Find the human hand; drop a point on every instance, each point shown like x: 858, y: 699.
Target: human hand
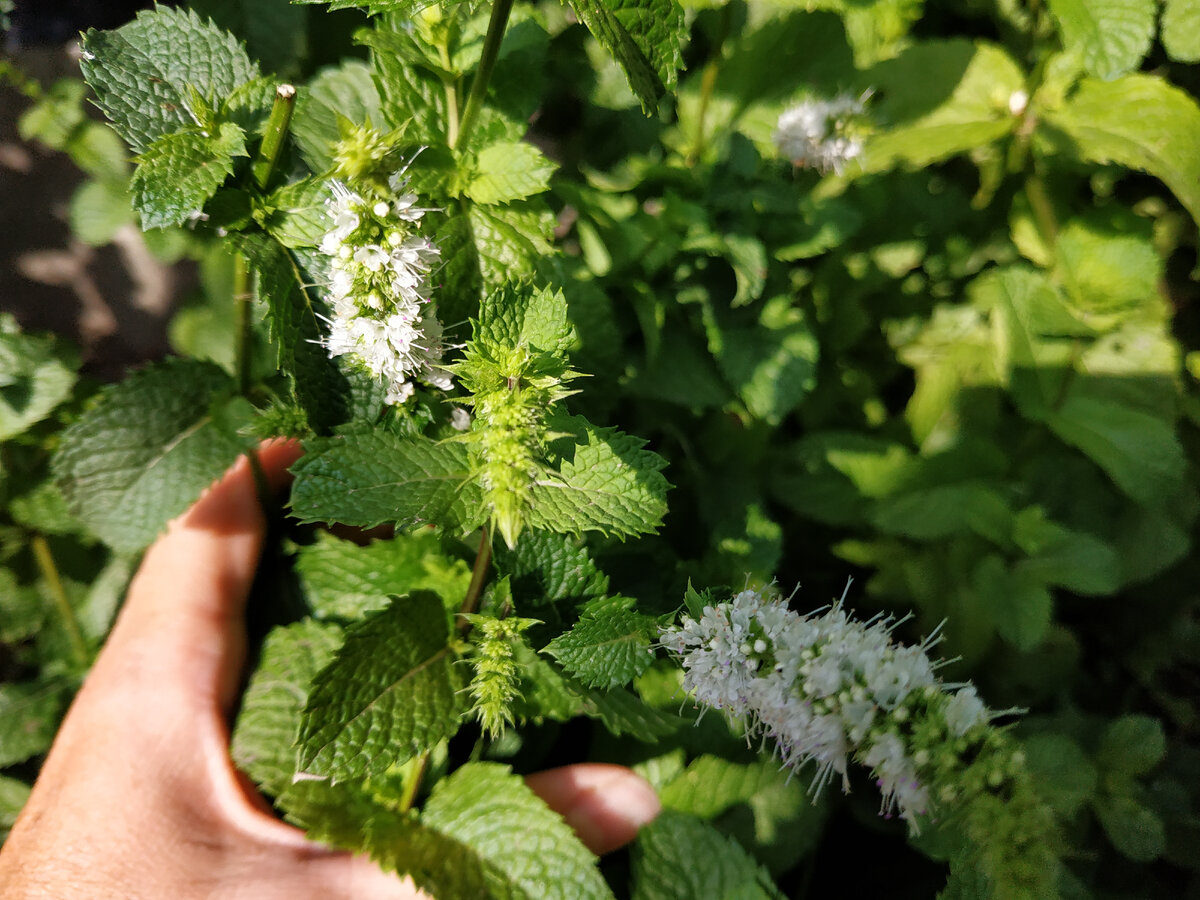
x: 138, y: 797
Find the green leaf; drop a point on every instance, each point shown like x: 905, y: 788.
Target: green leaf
x: 679, y: 857
x: 145, y: 451
x: 1020, y: 606
x: 773, y: 365
x: 488, y: 246
x: 624, y: 713
x: 607, y: 482
x: 13, y: 795
x: 1141, y: 122
x: 509, y: 171
x: 35, y: 377
x: 373, y: 478
x: 98, y: 210
x: 1137, y: 832
x: 645, y: 37
x: 268, y: 725
x: 30, y: 713
x: 347, y: 93
x: 179, y: 172
x: 275, y: 30
x: 22, y: 609
x: 710, y: 785
x: 1060, y: 556
x: 141, y: 72
x: 1112, y: 36
x: 605, y: 649
x: 943, y: 98
x: 517, y: 316
x: 375, y: 7
x: 295, y: 319
x: 1132, y: 745
x: 550, y: 568
x: 343, y: 579
x: 1180, y: 27
x: 296, y: 214
x: 392, y: 691
x: 1063, y: 775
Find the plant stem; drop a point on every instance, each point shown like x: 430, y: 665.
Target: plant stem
x: 414, y: 782
x: 277, y: 129
x: 487, y: 61
x: 45, y: 562
x: 1043, y: 209
x: 450, y: 86
x: 242, y: 297
x: 708, y: 82
x: 478, y: 575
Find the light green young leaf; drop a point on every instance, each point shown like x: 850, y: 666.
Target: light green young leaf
x: 606, y: 649
x: 1141, y: 122
x: 679, y: 857
x: 34, y: 377
x: 1112, y: 36
x: 1180, y: 27
x: 1108, y: 274
x: 268, y: 725
x: 13, y: 794
x: 392, y: 691
x: 141, y: 71
x: 347, y: 92
x: 180, y: 171
x: 98, y: 209
x: 607, y: 482
x: 645, y: 37
x: 143, y: 454
x: 509, y: 171
x: 373, y: 478
x: 30, y: 713
x: 343, y: 579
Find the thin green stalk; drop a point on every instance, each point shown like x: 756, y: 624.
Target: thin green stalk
x: 483, y: 558
x: 276, y: 134
x: 487, y: 61
x: 450, y: 86
x: 243, y: 333
x: 414, y: 782
x: 708, y: 83
x: 45, y: 562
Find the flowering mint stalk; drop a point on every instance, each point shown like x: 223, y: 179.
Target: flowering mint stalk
x: 379, y: 268
x: 830, y: 690
x: 822, y: 134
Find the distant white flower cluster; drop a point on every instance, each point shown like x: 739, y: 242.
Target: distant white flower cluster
x: 827, y: 689
x: 814, y: 133
x: 379, y: 287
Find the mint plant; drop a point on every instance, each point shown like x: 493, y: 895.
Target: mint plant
x: 601, y: 324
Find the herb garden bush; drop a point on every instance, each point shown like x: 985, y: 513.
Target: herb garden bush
x: 605, y: 325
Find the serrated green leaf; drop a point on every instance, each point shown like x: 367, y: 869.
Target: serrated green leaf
x: 295, y: 319
x: 509, y: 171
x: 550, y: 568
x: 1132, y: 745
x: 35, y: 377
x: 605, y: 650
x: 274, y: 29
x: 1107, y: 274
x: 710, y: 785
x: 926, y: 125
x: 645, y: 37
x: 297, y: 215
x: 143, y: 454
x: 516, y: 315
x: 13, y: 795
x: 1112, y: 36
x: 1180, y: 27
x: 347, y: 92
x: 268, y: 724
x: 392, y: 691
x: 373, y: 478
x: 140, y: 72
x: 1141, y: 122
x: 179, y: 172
x: 624, y: 713
x: 343, y: 579
x: 98, y: 209
x: 772, y: 365
x: 30, y: 713
x: 606, y: 482
x: 679, y: 857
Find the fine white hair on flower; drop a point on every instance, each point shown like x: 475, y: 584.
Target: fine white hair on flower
x: 815, y: 133
x: 379, y: 287
x: 826, y: 689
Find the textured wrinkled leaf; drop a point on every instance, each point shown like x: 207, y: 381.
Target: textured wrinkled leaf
x: 710, y: 785
x: 516, y: 316
x: 607, y: 649
x: 1139, y: 121
x: 141, y: 71
x: 1181, y: 30
x: 645, y: 37
x: 549, y: 568
x: 1105, y: 273
x: 625, y: 713
x: 509, y: 171
x: 1112, y: 36
x: 392, y: 691
x: 34, y: 377
x: 607, y: 483
x: 268, y: 725
x: 179, y: 172
x: 343, y: 579
x: 374, y: 478
x: 298, y: 214
x: 348, y: 92
x: 295, y: 319
x: 679, y: 857
x: 30, y: 713
x: 145, y: 451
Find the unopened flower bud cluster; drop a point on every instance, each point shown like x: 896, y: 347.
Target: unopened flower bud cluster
x: 379, y: 287
x: 830, y: 690
x: 819, y: 134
